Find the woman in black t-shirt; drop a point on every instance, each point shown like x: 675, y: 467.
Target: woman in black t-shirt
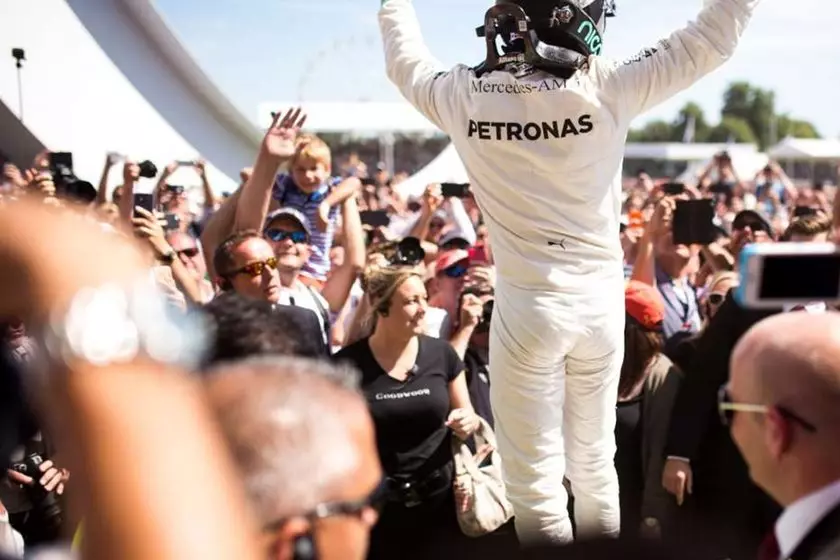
x: 418, y: 397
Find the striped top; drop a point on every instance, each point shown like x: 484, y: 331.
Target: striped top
x: 289, y: 195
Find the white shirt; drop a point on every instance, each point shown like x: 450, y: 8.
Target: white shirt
x: 544, y: 155
x: 11, y: 543
x: 801, y: 517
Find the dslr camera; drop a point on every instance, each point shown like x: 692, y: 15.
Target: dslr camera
x: 66, y: 183
x: 42, y: 500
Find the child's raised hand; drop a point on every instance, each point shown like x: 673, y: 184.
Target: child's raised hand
x: 280, y: 139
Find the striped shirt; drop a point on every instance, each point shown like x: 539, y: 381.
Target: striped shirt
x: 289, y: 195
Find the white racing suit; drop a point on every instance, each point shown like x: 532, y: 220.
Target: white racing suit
x: 544, y: 157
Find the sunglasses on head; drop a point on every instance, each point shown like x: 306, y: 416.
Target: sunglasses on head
x: 457, y: 270
x: 255, y: 269
x: 727, y: 409
x: 278, y: 235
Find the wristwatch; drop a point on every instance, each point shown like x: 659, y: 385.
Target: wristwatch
x: 116, y: 324
x: 167, y: 258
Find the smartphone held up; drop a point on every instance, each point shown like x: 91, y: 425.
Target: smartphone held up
x: 785, y: 275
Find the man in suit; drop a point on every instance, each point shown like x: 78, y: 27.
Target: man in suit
x: 782, y: 404
x: 702, y: 459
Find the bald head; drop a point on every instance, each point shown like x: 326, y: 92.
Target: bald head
x: 793, y: 359
x: 297, y: 429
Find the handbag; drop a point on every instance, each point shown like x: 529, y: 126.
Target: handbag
x: 488, y: 507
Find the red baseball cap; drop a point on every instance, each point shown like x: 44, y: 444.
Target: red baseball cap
x: 448, y: 258
x: 644, y: 305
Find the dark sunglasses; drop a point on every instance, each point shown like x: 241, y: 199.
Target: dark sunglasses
x: 278, y: 235
x: 189, y: 253
x: 716, y: 299
x: 458, y: 270
x: 255, y: 269
x: 375, y: 501
x: 727, y: 409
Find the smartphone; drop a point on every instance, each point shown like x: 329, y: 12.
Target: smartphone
x: 478, y: 255
x: 693, y: 222
x: 778, y: 275
x: 185, y: 163
x: 375, y: 218
x: 455, y: 190
x: 64, y: 159
x: 368, y: 182
x: 144, y: 201
x: 673, y: 189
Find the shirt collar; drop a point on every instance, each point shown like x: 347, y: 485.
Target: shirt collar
x: 801, y: 517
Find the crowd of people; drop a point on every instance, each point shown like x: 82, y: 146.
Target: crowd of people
x: 344, y: 354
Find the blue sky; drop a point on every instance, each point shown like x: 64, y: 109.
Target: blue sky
x: 329, y: 50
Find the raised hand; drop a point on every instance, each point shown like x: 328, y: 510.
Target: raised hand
x: 279, y: 141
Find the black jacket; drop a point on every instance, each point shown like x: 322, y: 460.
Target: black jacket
x: 823, y: 542
x: 724, y: 495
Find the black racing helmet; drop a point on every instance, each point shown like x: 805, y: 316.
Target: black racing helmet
x: 554, y: 35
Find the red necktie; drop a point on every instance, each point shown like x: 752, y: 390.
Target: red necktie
x: 769, y: 549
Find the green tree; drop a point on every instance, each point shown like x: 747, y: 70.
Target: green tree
x: 755, y: 106
x: 748, y: 115
x: 683, y: 120
x: 786, y: 126
x: 655, y: 131
x: 733, y: 129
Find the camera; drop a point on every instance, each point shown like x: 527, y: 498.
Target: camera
x: 409, y: 252
x: 42, y: 500
x: 67, y: 185
x: 148, y: 170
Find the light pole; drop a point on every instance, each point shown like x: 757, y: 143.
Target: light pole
x: 19, y: 55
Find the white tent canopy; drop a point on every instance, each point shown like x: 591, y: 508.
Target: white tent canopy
x: 675, y: 151
x: 806, y: 149
x: 446, y: 168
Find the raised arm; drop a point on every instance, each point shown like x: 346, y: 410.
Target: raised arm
x: 277, y: 148
x: 408, y: 62
x: 679, y: 61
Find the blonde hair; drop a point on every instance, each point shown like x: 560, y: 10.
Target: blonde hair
x: 723, y: 276
x: 311, y: 147
x: 383, y: 282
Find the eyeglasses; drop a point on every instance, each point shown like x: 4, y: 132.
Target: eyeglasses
x: 375, y: 501
x: 716, y: 299
x: 456, y: 271
x: 727, y: 410
x: 190, y: 252
x: 255, y: 269
x: 278, y: 235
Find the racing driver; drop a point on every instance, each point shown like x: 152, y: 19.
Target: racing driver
x: 541, y: 127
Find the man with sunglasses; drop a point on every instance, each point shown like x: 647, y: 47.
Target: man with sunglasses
x: 782, y: 406
x: 289, y: 232
x: 451, y: 270
x: 303, y: 440
x: 245, y: 264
